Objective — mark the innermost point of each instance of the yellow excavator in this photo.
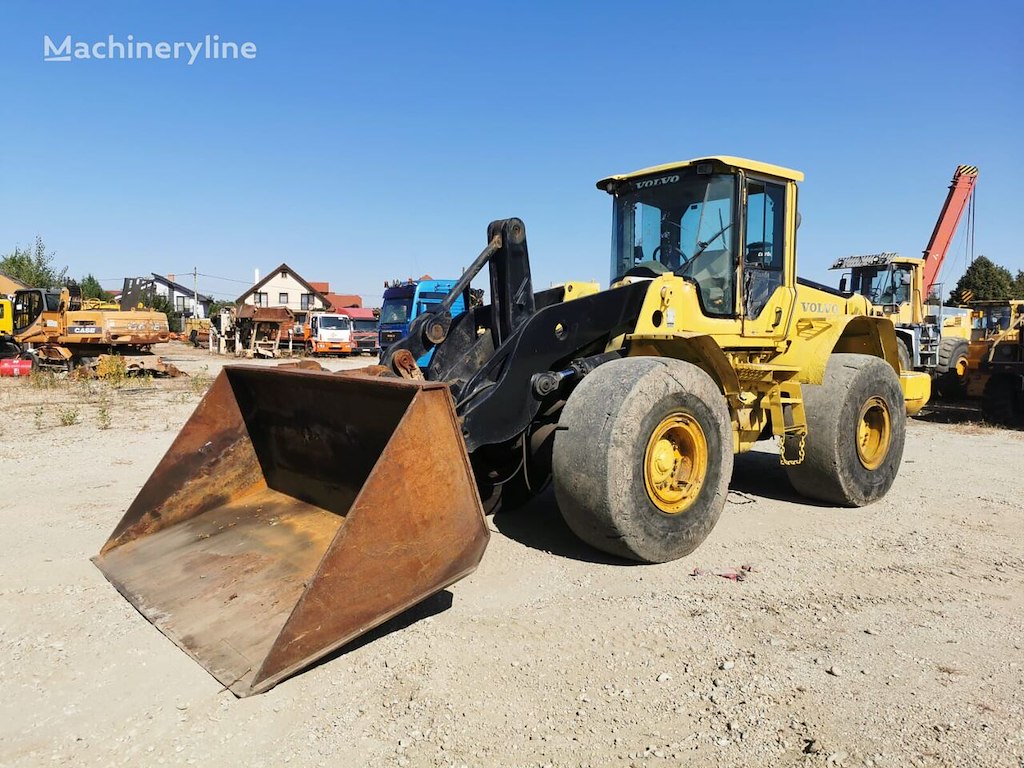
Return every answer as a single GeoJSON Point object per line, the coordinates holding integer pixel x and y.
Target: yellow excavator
{"type": "Point", "coordinates": [298, 509]}
{"type": "Point", "coordinates": [57, 329]}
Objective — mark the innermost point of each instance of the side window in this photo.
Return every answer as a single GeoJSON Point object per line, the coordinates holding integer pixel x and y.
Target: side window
{"type": "Point", "coordinates": [763, 255]}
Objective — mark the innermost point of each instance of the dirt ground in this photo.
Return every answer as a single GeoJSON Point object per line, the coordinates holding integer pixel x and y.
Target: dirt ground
{"type": "Point", "coordinates": [884, 636]}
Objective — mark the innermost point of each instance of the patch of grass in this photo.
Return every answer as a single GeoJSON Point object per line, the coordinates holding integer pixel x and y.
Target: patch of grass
{"type": "Point", "coordinates": [38, 379]}
{"type": "Point", "coordinates": [200, 382]}
{"type": "Point", "coordinates": [103, 419]}
{"type": "Point", "coordinates": [67, 416]}
{"type": "Point", "coordinates": [37, 416]}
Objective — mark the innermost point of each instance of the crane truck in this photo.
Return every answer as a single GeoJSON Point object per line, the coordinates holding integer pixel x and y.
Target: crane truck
{"type": "Point", "coordinates": [297, 509]}
{"type": "Point", "coordinates": [933, 338]}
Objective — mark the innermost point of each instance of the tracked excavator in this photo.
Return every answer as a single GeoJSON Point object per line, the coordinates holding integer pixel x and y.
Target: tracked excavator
{"type": "Point", "coordinates": [297, 509]}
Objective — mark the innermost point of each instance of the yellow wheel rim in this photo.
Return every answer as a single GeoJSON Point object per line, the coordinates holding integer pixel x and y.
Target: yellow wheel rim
{"type": "Point", "coordinates": [961, 367]}
{"type": "Point", "coordinates": [675, 463]}
{"type": "Point", "coordinates": [874, 432]}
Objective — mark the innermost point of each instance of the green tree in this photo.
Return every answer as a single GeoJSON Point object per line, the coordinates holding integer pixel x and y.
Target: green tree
{"type": "Point", "coordinates": [217, 306]}
{"type": "Point", "coordinates": [91, 288]}
{"type": "Point", "coordinates": [1018, 285]}
{"type": "Point", "coordinates": [33, 266]}
{"type": "Point", "coordinates": [160, 303]}
{"type": "Point", "coordinates": [986, 281]}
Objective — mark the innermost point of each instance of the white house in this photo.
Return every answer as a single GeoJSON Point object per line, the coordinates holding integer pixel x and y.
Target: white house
{"type": "Point", "coordinates": [284, 287]}
{"type": "Point", "coordinates": [181, 297]}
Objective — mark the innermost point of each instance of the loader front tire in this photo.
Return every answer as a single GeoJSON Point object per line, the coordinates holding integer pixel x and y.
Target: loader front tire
{"type": "Point", "coordinates": [856, 427]}
{"type": "Point", "coordinates": [642, 458]}
{"type": "Point", "coordinates": [951, 370]}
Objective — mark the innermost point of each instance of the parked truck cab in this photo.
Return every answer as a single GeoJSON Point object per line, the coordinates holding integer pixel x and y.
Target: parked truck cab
{"type": "Point", "coordinates": [329, 333]}
{"type": "Point", "coordinates": [404, 303]}
{"type": "Point", "coordinates": [364, 329]}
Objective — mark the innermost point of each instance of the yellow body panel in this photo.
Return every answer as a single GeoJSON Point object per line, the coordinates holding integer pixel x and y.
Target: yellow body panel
{"type": "Point", "coordinates": [6, 317]}
{"type": "Point", "coordinates": [917, 389]}
{"type": "Point", "coordinates": [577, 290]}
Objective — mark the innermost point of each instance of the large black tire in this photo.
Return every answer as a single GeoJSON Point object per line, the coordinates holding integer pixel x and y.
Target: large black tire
{"type": "Point", "coordinates": [605, 439]}
{"type": "Point", "coordinates": [857, 389]}
{"type": "Point", "coordinates": [1002, 401]}
{"type": "Point", "coordinates": [903, 353]}
{"type": "Point", "coordinates": [951, 367]}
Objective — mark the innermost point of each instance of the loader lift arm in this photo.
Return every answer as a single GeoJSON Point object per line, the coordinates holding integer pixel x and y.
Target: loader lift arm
{"type": "Point", "coordinates": [495, 358]}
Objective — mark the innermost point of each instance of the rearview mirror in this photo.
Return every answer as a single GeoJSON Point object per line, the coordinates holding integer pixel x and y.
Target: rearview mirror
{"type": "Point", "coordinates": [842, 284]}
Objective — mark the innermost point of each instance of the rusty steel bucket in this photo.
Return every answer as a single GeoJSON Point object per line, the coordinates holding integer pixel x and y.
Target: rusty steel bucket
{"type": "Point", "coordinates": [295, 511]}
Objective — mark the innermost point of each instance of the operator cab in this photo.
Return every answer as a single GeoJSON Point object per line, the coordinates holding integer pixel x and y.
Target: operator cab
{"type": "Point", "coordinates": [719, 226]}
{"type": "Point", "coordinates": [30, 303]}
{"type": "Point", "coordinates": [884, 279]}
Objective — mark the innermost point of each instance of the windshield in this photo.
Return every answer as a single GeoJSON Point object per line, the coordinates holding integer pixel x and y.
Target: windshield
{"type": "Point", "coordinates": [883, 285]}
{"type": "Point", "coordinates": [997, 318]}
{"type": "Point", "coordinates": [365, 325]}
{"type": "Point", "coordinates": [684, 222]}
{"type": "Point", "coordinates": [334, 323]}
{"type": "Point", "coordinates": [396, 310]}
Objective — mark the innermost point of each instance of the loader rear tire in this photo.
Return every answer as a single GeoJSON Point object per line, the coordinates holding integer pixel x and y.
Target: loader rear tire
{"type": "Point", "coordinates": [1002, 402]}
{"type": "Point", "coordinates": [642, 458]}
{"type": "Point", "coordinates": [903, 353]}
{"type": "Point", "coordinates": [856, 427]}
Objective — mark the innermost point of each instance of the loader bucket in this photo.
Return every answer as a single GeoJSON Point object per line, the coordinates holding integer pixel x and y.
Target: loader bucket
{"type": "Point", "coordinates": [295, 511]}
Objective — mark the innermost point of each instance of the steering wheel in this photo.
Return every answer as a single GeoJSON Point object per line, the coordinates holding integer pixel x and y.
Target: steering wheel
{"type": "Point", "coordinates": [669, 249]}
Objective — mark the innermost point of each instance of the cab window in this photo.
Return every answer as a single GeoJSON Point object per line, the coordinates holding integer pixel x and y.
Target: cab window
{"type": "Point", "coordinates": [680, 222]}
{"type": "Point", "coordinates": [763, 255]}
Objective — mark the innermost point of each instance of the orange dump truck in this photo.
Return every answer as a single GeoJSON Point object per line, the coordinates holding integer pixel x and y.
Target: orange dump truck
{"type": "Point", "coordinates": [329, 333]}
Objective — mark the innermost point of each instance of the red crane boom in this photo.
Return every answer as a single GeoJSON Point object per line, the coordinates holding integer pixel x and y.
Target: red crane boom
{"type": "Point", "coordinates": [960, 190]}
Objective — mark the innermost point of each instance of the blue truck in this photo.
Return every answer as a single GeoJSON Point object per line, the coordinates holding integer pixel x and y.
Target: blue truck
{"type": "Point", "coordinates": [406, 301]}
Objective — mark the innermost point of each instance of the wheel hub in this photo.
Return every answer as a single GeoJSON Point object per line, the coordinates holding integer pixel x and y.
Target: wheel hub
{"type": "Point", "coordinates": [675, 463]}
{"type": "Point", "coordinates": [874, 433]}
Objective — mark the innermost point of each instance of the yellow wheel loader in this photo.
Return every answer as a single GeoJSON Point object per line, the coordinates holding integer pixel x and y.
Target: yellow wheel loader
{"type": "Point", "coordinates": [298, 509]}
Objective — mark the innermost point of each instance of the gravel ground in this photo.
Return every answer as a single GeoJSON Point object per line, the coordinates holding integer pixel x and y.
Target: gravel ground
{"type": "Point", "coordinates": [888, 636]}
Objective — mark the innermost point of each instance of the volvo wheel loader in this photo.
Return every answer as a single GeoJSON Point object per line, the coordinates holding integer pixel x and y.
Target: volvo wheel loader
{"type": "Point", "coordinates": [298, 509]}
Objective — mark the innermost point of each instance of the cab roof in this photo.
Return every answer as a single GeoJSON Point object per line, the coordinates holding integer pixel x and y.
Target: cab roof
{"type": "Point", "coordinates": [883, 259]}
{"type": "Point", "coordinates": [736, 162]}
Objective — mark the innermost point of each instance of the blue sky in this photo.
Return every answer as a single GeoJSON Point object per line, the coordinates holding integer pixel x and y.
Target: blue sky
{"type": "Point", "coordinates": [370, 141]}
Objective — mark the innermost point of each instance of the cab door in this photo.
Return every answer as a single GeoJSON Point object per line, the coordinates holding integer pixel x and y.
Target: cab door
{"type": "Point", "coordinates": [767, 260]}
